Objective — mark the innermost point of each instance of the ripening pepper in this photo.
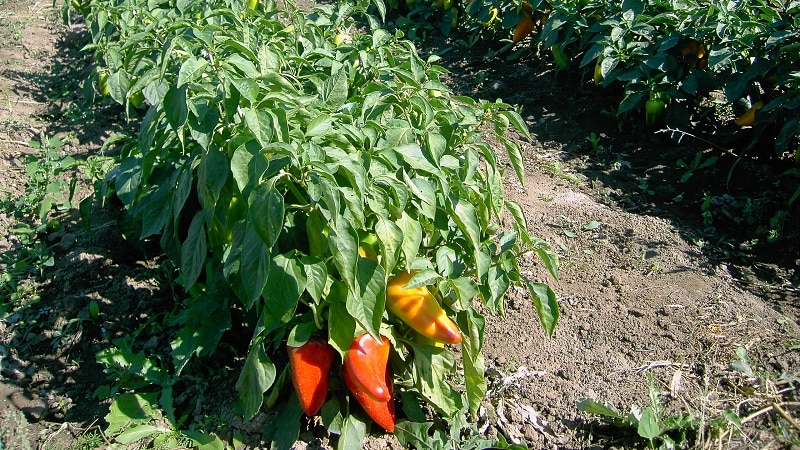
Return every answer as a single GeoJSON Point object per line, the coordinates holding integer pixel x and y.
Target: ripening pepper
{"type": "Point", "coordinates": [523, 28]}
{"type": "Point", "coordinates": [419, 309]}
{"type": "Point", "coordinates": [310, 366]}
{"type": "Point", "coordinates": [749, 118]}
{"type": "Point", "coordinates": [598, 71]}
{"type": "Point", "coordinates": [366, 364]}
{"type": "Point", "coordinates": [368, 246]}
{"type": "Point", "coordinates": [381, 412]}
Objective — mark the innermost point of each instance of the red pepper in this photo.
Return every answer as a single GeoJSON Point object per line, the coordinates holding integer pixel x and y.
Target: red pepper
{"type": "Point", "coordinates": [310, 367]}
{"type": "Point", "coordinates": [419, 309]}
{"type": "Point", "coordinates": [381, 412]}
{"type": "Point", "coordinates": [366, 365]}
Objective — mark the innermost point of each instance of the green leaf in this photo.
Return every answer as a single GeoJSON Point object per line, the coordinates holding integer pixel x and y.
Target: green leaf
{"type": "Point", "coordinates": [283, 429]}
{"type": "Point", "coordinates": [335, 90]}
{"type": "Point", "coordinates": [515, 156]}
{"type": "Point", "coordinates": [212, 174]}
{"type": "Point", "coordinates": [193, 251]}
{"type": "Point", "coordinates": [414, 156]}
{"type": "Point", "coordinates": [466, 217]}
{"type": "Point", "coordinates": [648, 425]}
{"type": "Point", "coordinates": [204, 322]}
{"type": "Point", "coordinates": [437, 146]}
{"type": "Point", "coordinates": [518, 122]}
{"type": "Point", "coordinates": [256, 377]}
{"type": "Point", "coordinates": [412, 236]}
{"type": "Point", "coordinates": [343, 244]}
{"type": "Point", "coordinates": [368, 301]}
{"type": "Point", "coordinates": [432, 367]}
{"type": "Point", "coordinates": [590, 406]}
{"type": "Point", "coordinates": [254, 264]}
{"type": "Point", "coordinates": [247, 88]}
{"type": "Point", "coordinates": [204, 441]}
{"type": "Point", "coordinates": [341, 325]}
{"type": "Point", "coordinates": [129, 409]}
{"type": "Point", "coordinates": [266, 212]}
{"type": "Point", "coordinates": [472, 324]}
{"type": "Point", "coordinates": [127, 177]}
{"type": "Point", "coordinates": [260, 124]}
{"type": "Point", "coordinates": [287, 283]}
{"type": "Point", "coordinates": [319, 126]}
{"type": "Point", "coordinates": [546, 304]}
{"type": "Point", "coordinates": [425, 191]}
{"type": "Point", "coordinates": [176, 107]}
{"type": "Point", "coordinates": [352, 433]}
{"type": "Point", "coordinates": [742, 363]}
{"type": "Point", "coordinates": [390, 237]}
{"type": "Point", "coordinates": [137, 433]}
{"type": "Point", "coordinates": [418, 435]}
{"type": "Point", "coordinates": [316, 273]}
{"type": "Point", "coordinates": [155, 210]}
{"type": "Point", "coordinates": [191, 69]}
{"type": "Point", "coordinates": [118, 85]}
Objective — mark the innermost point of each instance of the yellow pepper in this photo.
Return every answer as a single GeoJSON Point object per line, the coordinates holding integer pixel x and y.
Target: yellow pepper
{"type": "Point", "coordinates": [419, 310]}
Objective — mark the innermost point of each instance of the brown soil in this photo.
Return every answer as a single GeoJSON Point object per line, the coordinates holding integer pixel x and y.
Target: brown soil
{"type": "Point", "coordinates": [648, 289]}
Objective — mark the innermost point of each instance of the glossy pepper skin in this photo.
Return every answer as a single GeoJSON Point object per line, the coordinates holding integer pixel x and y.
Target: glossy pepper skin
{"type": "Point", "coordinates": [419, 309]}
{"type": "Point", "coordinates": [523, 28]}
{"type": "Point", "coordinates": [381, 412]}
{"type": "Point", "coordinates": [366, 364]}
{"type": "Point", "coordinates": [653, 110]}
{"type": "Point", "coordinates": [310, 367]}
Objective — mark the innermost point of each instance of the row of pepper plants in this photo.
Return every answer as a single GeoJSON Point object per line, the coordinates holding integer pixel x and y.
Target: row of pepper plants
{"type": "Point", "coordinates": [323, 189]}
{"type": "Point", "coordinates": [667, 57]}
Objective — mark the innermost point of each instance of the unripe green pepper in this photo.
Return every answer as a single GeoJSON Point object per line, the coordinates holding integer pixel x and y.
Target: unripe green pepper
{"type": "Point", "coordinates": [561, 59]}
{"type": "Point", "coordinates": [419, 309]}
{"type": "Point", "coordinates": [653, 109]}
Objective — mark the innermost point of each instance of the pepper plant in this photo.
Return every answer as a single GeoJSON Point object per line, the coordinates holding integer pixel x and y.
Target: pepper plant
{"type": "Point", "coordinates": [292, 168]}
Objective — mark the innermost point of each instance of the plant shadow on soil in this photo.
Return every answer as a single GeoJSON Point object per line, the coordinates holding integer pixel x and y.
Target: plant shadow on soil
{"type": "Point", "coordinates": [636, 168]}
{"type": "Point", "coordinates": [49, 374]}
{"type": "Point", "coordinates": [52, 362]}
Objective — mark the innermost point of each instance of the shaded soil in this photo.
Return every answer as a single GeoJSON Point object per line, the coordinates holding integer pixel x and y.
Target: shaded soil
{"type": "Point", "coordinates": [654, 288]}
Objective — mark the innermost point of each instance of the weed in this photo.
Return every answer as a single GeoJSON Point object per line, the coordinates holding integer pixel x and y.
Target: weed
{"type": "Point", "coordinates": [557, 169]}
{"type": "Point", "coordinates": [594, 141]}
{"type": "Point", "coordinates": [695, 165]}
{"type": "Point", "coordinates": [88, 441]}
{"type": "Point", "coordinates": [652, 425]}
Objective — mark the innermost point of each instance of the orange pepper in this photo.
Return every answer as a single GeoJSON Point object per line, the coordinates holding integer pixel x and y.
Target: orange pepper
{"type": "Point", "coordinates": [419, 309]}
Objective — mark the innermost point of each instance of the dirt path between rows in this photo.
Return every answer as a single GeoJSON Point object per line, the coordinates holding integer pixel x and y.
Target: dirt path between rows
{"type": "Point", "coordinates": [647, 296]}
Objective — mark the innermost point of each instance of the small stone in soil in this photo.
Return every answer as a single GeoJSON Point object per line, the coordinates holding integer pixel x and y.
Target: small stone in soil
{"type": "Point", "coordinates": [635, 312]}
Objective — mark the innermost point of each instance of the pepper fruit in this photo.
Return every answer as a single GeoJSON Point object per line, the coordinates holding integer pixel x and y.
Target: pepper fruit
{"type": "Point", "coordinates": [523, 28]}
{"type": "Point", "coordinates": [653, 109]}
{"type": "Point", "coordinates": [598, 71]}
{"type": "Point", "coordinates": [367, 248]}
{"type": "Point", "coordinates": [749, 118]}
{"type": "Point", "coordinates": [310, 365]}
{"type": "Point", "coordinates": [492, 15]}
{"type": "Point", "coordinates": [381, 412]}
{"type": "Point", "coordinates": [366, 365]}
{"type": "Point", "coordinates": [561, 59]}
{"type": "Point", "coordinates": [419, 309]}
